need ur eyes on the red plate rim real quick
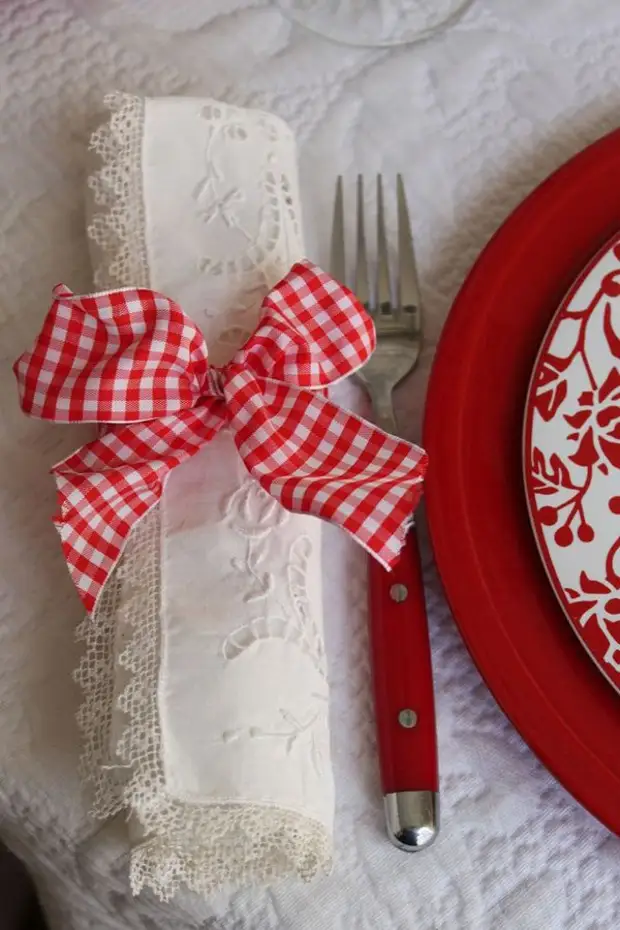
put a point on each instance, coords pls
(485, 551)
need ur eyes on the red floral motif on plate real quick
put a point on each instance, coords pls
(572, 457)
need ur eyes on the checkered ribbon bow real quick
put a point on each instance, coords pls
(132, 360)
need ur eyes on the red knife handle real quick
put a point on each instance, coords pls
(402, 675)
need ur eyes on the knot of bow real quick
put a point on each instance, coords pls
(131, 360)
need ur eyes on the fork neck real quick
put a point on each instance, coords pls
(383, 408)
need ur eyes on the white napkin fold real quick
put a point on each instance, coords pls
(205, 712)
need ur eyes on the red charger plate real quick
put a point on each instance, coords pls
(492, 574)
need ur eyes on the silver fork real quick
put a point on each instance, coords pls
(402, 672)
(399, 324)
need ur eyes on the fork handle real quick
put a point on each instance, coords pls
(404, 701)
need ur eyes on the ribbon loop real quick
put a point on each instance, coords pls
(313, 332)
(117, 357)
(132, 359)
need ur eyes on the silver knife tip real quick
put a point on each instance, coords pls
(412, 819)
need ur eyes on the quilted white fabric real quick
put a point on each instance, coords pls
(474, 118)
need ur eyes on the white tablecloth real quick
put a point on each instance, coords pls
(475, 119)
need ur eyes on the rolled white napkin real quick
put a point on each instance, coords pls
(204, 678)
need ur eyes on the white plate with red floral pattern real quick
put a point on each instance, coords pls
(572, 457)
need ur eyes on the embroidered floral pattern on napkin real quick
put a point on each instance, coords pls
(205, 683)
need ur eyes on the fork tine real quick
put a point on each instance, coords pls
(361, 286)
(408, 297)
(383, 268)
(337, 261)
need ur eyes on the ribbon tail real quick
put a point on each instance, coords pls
(109, 485)
(316, 458)
(92, 532)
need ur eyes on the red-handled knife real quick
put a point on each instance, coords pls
(401, 657)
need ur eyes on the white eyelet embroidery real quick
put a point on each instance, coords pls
(239, 842)
(253, 515)
(296, 735)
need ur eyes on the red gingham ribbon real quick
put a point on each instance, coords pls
(131, 359)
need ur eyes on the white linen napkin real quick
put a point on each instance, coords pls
(204, 678)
